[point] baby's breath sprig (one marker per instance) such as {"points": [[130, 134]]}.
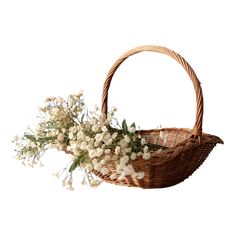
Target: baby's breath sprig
{"points": [[92, 139]]}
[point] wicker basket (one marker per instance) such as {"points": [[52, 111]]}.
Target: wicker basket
{"points": [[187, 149]]}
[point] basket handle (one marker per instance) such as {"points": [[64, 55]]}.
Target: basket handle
{"points": [[197, 128]]}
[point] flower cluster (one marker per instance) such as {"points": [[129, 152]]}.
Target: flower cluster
{"points": [[94, 140]]}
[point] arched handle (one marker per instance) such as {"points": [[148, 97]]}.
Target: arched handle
{"points": [[197, 128]]}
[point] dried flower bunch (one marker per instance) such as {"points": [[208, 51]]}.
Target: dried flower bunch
{"points": [[92, 139]]}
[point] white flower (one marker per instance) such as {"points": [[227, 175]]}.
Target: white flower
{"points": [[133, 156], [96, 144], [33, 145], [143, 141], [124, 160], [89, 167], [71, 135], [79, 94], [95, 182], [63, 130], [107, 151], [38, 127], [159, 151], [123, 143], [161, 134], [117, 150], [108, 142], [113, 176], [60, 137], [55, 110], [76, 152], [89, 147], [74, 145], [106, 137], [126, 138], [131, 129], [145, 149], [107, 158], [146, 156], [92, 153], [73, 129], [104, 128], [121, 177], [91, 141], [140, 175], [99, 152], [103, 162], [95, 128], [165, 140], [128, 170], [80, 135], [50, 134], [98, 166], [83, 145], [59, 100], [127, 150], [104, 171], [139, 154], [114, 157], [119, 169], [98, 137], [114, 135], [164, 136]]}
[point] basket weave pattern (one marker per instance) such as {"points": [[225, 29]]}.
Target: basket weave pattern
{"points": [[187, 149]]}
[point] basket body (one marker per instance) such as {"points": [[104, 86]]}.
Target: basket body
{"points": [[171, 166], [187, 148]]}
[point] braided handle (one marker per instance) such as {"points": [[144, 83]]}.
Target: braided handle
{"points": [[197, 129]]}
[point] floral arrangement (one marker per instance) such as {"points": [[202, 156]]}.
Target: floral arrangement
{"points": [[93, 140]]}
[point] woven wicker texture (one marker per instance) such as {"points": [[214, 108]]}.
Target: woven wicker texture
{"points": [[187, 149]]}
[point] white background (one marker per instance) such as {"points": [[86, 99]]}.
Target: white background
{"points": [[60, 47]]}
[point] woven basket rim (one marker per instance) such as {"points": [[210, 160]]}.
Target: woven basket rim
{"points": [[172, 152]]}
